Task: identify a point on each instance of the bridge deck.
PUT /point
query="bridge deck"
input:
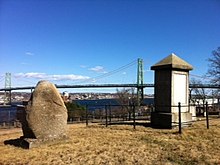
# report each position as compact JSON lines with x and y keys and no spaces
{"x":111,"y":86}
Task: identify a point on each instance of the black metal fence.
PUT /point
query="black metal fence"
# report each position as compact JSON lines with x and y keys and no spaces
{"x":208,"y":110}
{"x":109,"y":114}
{"x":8,"y":117}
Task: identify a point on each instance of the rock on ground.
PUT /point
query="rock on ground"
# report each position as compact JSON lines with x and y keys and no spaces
{"x":46,"y":114}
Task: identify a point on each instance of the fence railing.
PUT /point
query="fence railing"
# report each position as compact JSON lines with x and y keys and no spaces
{"x":106,"y":114}
{"x":115,"y":114}
{"x":206,"y":108}
{"x":8,"y":117}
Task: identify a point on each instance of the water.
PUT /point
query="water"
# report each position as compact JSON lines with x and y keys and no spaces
{"x":8,"y":113}
{"x":100,"y":104}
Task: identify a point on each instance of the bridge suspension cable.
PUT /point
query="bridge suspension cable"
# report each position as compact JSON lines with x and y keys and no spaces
{"x":2,"y":79}
{"x":31,"y":82}
{"x":117,"y":70}
{"x":112,"y":72}
{"x":201,"y":77}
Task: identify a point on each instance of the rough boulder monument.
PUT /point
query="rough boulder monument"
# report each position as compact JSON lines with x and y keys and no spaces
{"x":46,"y":116}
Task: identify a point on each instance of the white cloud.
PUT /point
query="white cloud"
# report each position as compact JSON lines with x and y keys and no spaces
{"x":24,"y":63}
{"x":29,"y":53}
{"x":51,"y":77}
{"x":30,"y":75}
{"x":99,"y":69}
{"x":68,"y":77}
{"x":83,"y":66}
{"x":93,"y":80}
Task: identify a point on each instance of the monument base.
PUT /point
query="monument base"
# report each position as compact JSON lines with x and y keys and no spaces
{"x":32,"y":143}
{"x":28,"y":143}
{"x":170,"y":120}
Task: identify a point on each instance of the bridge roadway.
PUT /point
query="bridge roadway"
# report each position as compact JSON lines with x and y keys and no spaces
{"x":111,"y":86}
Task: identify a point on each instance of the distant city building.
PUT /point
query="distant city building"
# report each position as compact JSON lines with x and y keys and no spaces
{"x":65,"y":96}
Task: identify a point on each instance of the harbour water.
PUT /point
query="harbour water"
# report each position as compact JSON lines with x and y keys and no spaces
{"x":100,"y":104}
{"x":8,"y":113}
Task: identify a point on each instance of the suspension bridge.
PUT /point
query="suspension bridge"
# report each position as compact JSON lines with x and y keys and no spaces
{"x":211,"y":86}
{"x":140,"y":85}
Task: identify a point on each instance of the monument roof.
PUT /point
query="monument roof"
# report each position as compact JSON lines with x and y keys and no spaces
{"x":172,"y":62}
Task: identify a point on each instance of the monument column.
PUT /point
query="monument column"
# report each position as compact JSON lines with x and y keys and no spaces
{"x":171,"y":87}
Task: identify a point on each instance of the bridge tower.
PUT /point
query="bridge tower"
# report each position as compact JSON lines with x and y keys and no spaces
{"x":7,"y":86}
{"x":140,"y":81}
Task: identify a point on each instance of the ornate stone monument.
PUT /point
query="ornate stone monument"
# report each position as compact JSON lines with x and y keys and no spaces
{"x":46,"y":116}
{"x":171,"y":87}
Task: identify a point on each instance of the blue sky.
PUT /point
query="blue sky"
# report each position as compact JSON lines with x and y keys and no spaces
{"x":76,"y":41}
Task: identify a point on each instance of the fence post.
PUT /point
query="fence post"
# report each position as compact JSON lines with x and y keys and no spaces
{"x":9,"y":117}
{"x":180,"y":127}
{"x":10,"y":97}
{"x":110,"y":114}
{"x":87,"y":123}
{"x":134,"y":122}
{"x":106,"y":116}
{"x":207,"y":115}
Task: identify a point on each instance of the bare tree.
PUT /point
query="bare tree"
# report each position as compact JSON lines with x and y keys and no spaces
{"x":126,"y":98}
{"x":214,"y":66}
{"x":214,"y":70}
{"x":198,"y":94}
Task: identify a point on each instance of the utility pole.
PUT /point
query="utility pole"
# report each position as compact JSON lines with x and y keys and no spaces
{"x":7,"y":86}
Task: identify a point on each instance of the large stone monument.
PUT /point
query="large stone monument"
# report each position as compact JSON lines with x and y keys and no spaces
{"x":171,"y":88}
{"x":46,"y":116}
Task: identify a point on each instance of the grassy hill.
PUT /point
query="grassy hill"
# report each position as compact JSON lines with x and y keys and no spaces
{"x":116,"y":144}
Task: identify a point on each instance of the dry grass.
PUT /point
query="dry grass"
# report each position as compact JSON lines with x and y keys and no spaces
{"x":122,"y":145}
